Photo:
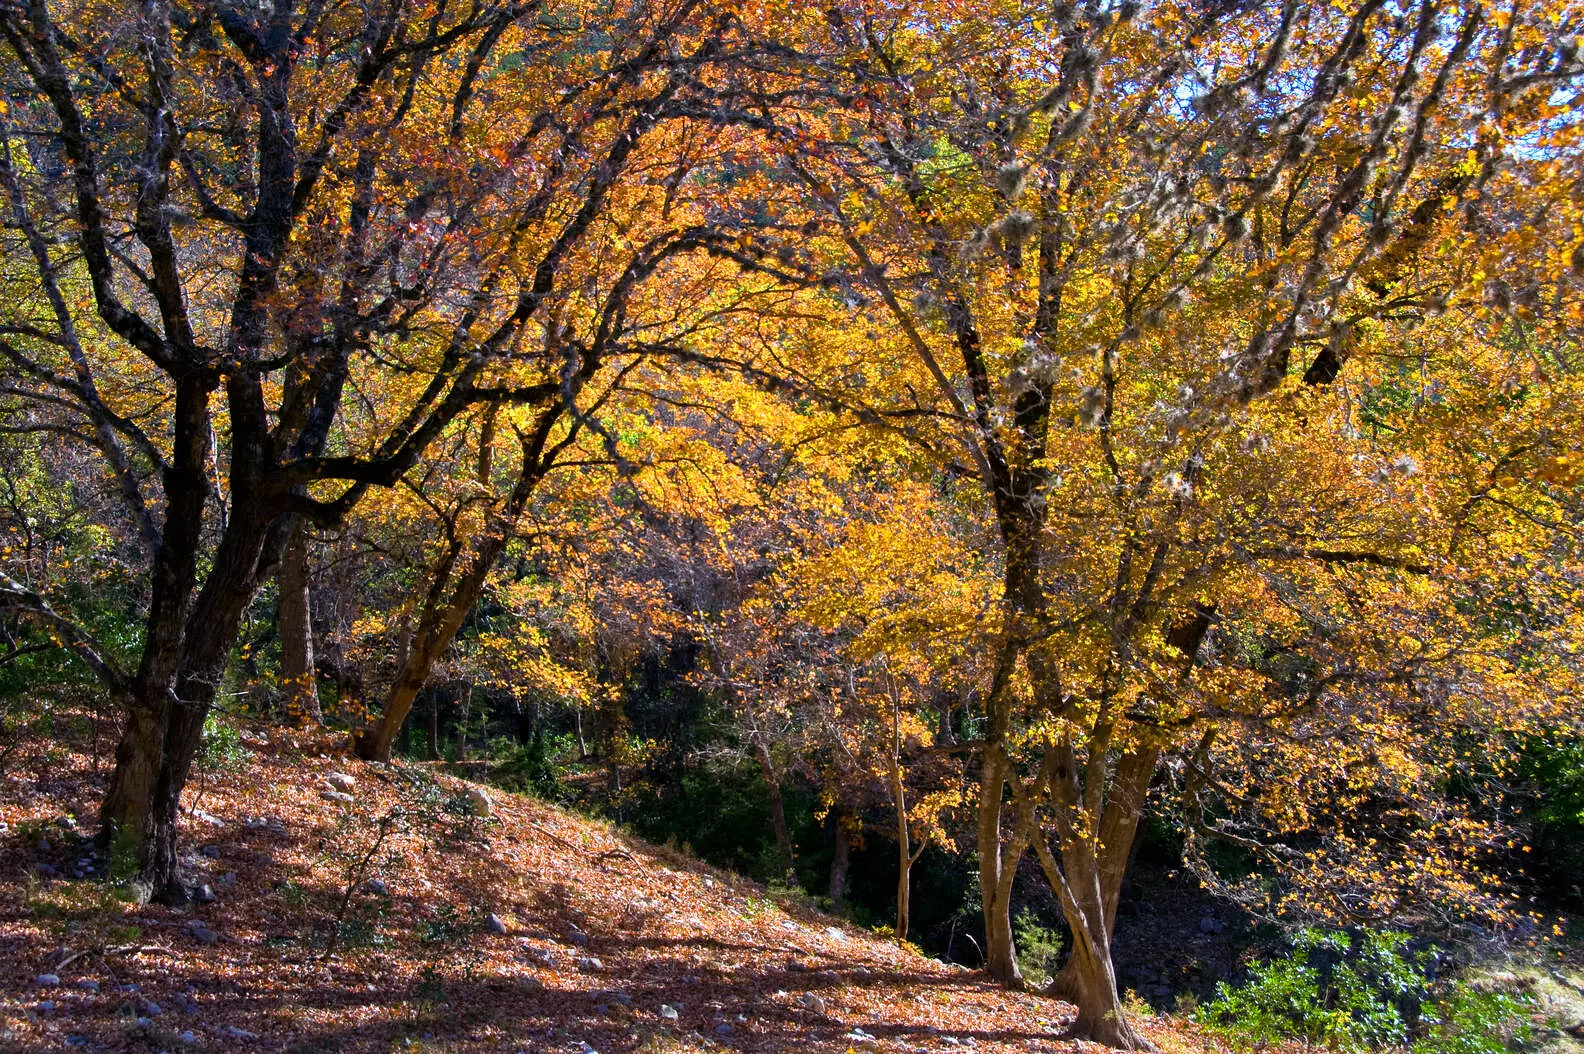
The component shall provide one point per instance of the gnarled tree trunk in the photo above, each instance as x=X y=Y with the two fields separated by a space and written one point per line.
x=1078 y=887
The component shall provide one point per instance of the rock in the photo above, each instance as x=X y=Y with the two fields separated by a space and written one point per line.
x=238 y=1033
x=341 y=781
x=87 y=985
x=211 y=851
x=202 y=933
x=227 y=880
x=835 y=933
x=494 y=923
x=812 y=1001
x=1210 y=924
x=861 y=1039
x=47 y=870
x=188 y=1038
x=479 y=802
x=148 y=1008
x=336 y=796
x=668 y=1011
x=212 y=821
x=584 y=1048
x=204 y=894
x=377 y=887
x=709 y=883
x=46 y=980
x=723 y=1029
x=589 y=964
x=577 y=936
x=47 y=1006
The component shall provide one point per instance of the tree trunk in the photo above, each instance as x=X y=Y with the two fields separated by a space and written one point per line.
x=434 y=728
x=125 y=811
x=443 y=615
x=905 y=855
x=296 y=633
x=998 y=861
x=840 y=862
x=374 y=744
x=1119 y=830
x=459 y=749
x=1077 y=883
x=777 y=810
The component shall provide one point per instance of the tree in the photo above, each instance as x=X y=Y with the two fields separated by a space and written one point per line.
x=1104 y=236
x=268 y=207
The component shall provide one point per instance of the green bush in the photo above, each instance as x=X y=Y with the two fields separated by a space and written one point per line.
x=539 y=768
x=221 y=749
x=1361 y=993
x=1466 y=1021
x=1038 y=947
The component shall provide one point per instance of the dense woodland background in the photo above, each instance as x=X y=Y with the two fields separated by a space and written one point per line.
x=1019 y=473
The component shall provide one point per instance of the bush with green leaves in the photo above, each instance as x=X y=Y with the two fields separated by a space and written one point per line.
x=1038 y=947
x=220 y=751
x=1464 y=1020
x=1358 y=992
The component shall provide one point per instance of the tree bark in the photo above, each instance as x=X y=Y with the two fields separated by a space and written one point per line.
x=459 y=749
x=296 y=632
x=1119 y=830
x=434 y=728
x=1077 y=883
x=905 y=854
x=998 y=862
x=443 y=613
x=777 y=810
x=841 y=862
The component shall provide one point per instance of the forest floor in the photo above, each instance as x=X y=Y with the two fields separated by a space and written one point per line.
x=394 y=919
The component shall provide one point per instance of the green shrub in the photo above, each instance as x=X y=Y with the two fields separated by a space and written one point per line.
x=1038 y=947
x=538 y=768
x=1467 y=1021
x=221 y=749
x=1361 y=993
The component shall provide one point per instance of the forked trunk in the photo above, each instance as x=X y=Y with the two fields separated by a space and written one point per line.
x=1100 y=1014
x=1119 y=832
x=1076 y=881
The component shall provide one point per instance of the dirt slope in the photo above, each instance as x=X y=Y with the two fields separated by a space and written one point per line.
x=605 y=938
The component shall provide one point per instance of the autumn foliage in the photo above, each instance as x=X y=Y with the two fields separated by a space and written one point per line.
x=1023 y=416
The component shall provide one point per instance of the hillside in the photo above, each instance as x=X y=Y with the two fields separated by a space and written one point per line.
x=528 y=930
